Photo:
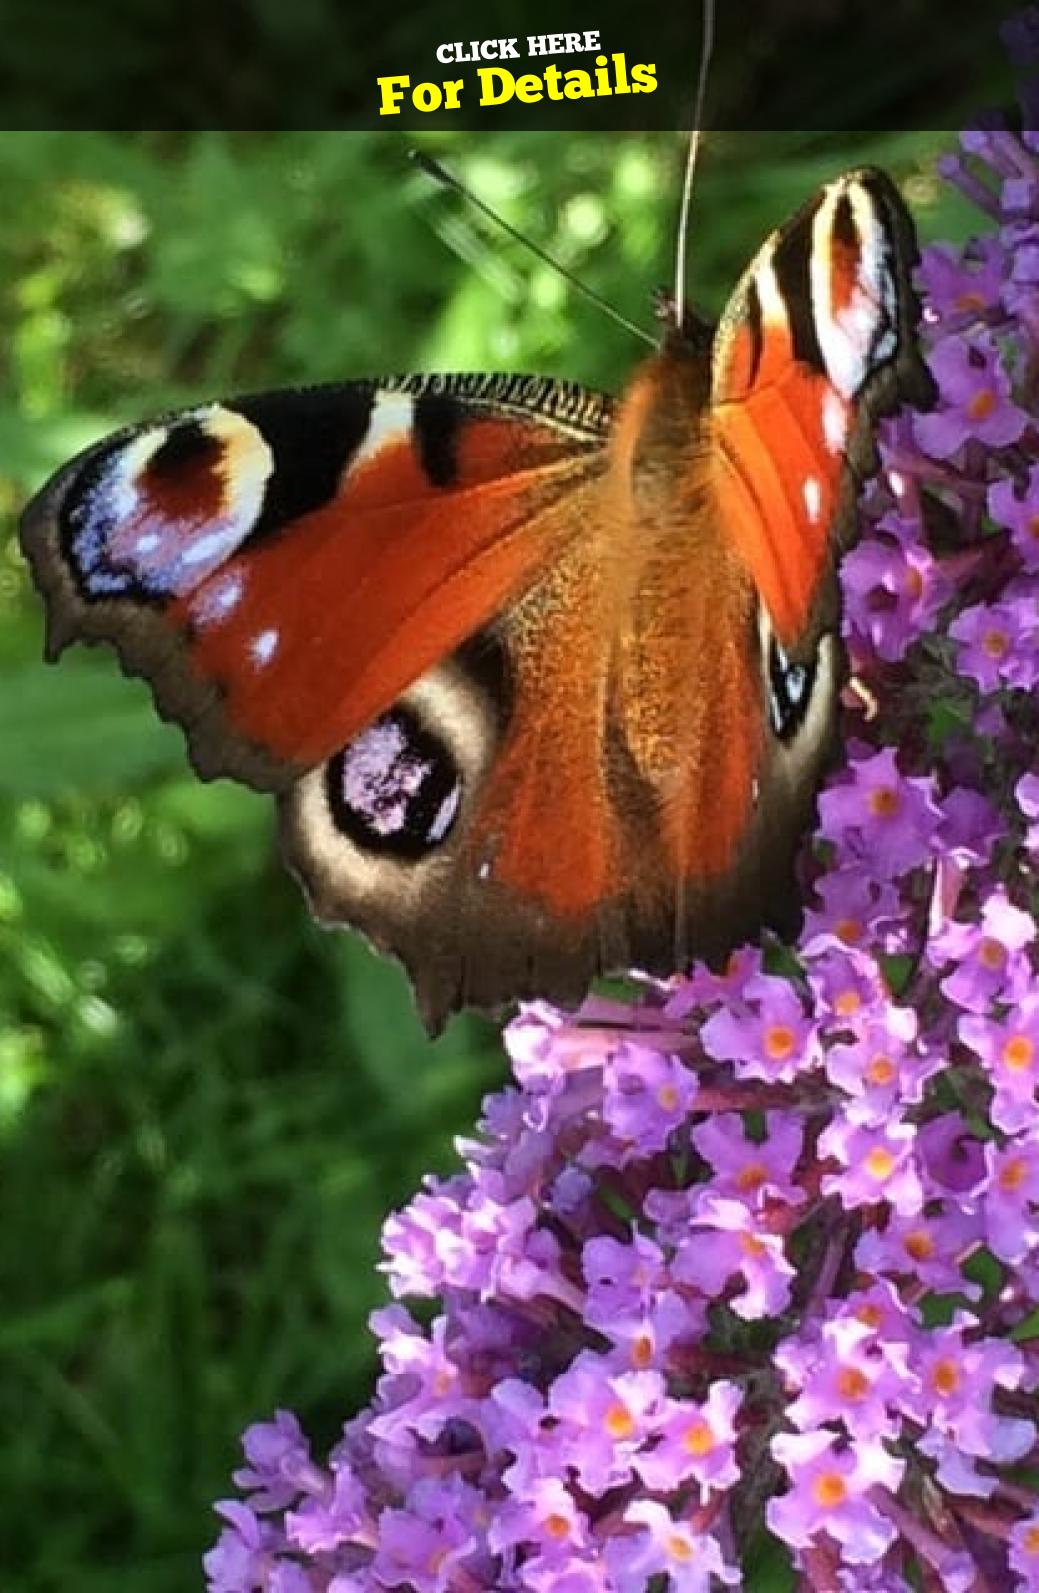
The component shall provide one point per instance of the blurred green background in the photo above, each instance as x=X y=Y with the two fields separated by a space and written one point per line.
x=206 y=1105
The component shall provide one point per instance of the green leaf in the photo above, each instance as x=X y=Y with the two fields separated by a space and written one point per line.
x=82 y=727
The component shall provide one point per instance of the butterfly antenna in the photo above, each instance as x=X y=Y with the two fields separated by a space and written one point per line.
x=706 y=50
x=440 y=174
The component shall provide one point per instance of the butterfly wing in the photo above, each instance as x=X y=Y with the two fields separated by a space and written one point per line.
x=281 y=567
x=817 y=342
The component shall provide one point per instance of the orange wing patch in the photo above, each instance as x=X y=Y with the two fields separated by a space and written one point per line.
x=326 y=627
x=817 y=340
x=777 y=481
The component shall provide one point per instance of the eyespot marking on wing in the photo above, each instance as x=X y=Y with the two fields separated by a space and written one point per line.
x=371 y=832
x=396 y=788
x=159 y=513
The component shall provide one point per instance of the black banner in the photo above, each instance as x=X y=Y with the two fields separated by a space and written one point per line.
x=577 y=65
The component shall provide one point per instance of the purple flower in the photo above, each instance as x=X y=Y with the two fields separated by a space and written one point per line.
x=766 y=1035
x=604 y=1418
x=845 y=1375
x=1009 y=1049
x=990 y=954
x=278 y=1463
x=420 y=1546
x=849 y=990
x=243 y=1553
x=834 y=1491
x=876 y=1163
x=957 y=1400
x=337 y=1515
x=851 y=906
x=997 y=643
x=1011 y=1206
x=951 y=1156
x=649 y=1096
x=961 y=287
x=881 y=815
x=630 y=1302
x=969 y=830
x=880 y=1070
x=975 y=399
x=730 y=1246
x=1027 y=794
x=755 y=1171
x=1018 y=511
x=695 y=1443
x=1024 y=1550
x=669 y=1547
x=930 y=1249
x=895 y=588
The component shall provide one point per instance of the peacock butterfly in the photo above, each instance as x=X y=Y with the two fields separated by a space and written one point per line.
x=544 y=683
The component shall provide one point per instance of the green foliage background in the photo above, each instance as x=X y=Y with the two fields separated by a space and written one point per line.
x=206 y=1105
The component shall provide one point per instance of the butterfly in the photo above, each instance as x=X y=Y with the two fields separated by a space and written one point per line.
x=544 y=683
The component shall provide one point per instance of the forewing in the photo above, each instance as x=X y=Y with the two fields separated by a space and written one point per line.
x=817 y=342
x=280 y=568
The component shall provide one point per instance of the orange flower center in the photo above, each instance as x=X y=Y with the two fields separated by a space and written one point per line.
x=779 y=1041
x=1019 y=1053
x=919 y=1244
x=751 y=1177
x=679 y=1548
x=618 y=1421
x=946 y=1377
x=667 y=1097
x=992 y=954
x=880 y=1164
x=881 y=1070
x=1033 y=527
x=884 y=802
x=1013 y=1173
x=850 y=930
x=830 y=1489
x=969 y=301
x=847 y=1002
x=752 y=1246
x=1031 y=1540
x=982 y=404
x=557 y=1526
x=698 y=1439
x=641 y=1351
x=852 y=1382
x=995 y=643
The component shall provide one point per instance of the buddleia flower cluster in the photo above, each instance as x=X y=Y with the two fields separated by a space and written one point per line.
x=749 y=1267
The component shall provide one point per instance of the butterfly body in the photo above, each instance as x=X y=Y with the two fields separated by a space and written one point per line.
x=544 y=683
